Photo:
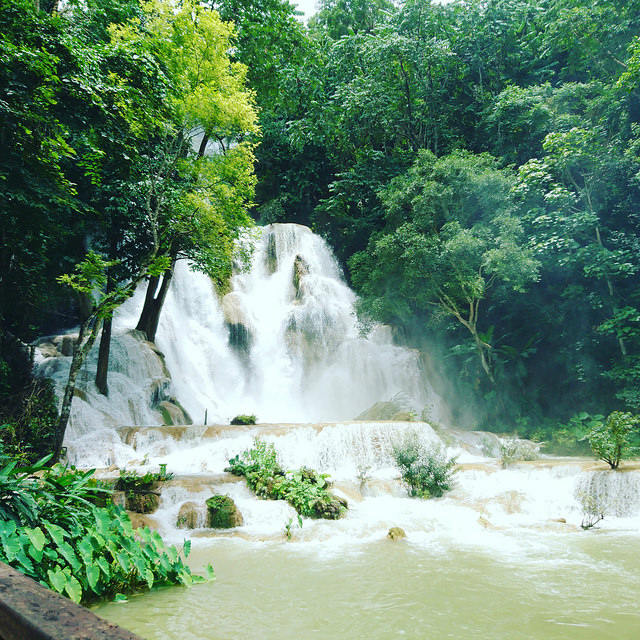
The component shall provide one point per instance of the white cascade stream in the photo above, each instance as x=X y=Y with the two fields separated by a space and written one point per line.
x=285 y=344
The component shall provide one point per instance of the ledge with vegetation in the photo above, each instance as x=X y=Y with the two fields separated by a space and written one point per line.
x=304 y=489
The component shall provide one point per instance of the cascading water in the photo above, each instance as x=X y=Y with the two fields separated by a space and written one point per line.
x=284 y=344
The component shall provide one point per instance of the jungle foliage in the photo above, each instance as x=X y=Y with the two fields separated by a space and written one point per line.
x=475 y=166
x=62 y=529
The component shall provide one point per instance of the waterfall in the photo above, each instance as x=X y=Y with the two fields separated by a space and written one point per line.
x=284 y=344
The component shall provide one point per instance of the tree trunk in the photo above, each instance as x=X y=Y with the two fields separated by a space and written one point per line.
x=150 y=315
x=103 y=358
x=86 y=337
x=482 y=350
x=203 y=145
x=102 y=371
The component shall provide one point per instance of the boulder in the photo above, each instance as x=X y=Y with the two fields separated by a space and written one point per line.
x=142 y=502
x=381 y=411
x=332 y=510
x=300 y=270
x=396 y=533
x=48 y=350
x=222 y=513
x=173 y=413
x=189 y=516
x=119 y=499
x=272 y=254
x=66 y=345
x=237 y=321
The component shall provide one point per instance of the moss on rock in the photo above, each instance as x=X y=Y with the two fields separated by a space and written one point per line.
x=222 y=513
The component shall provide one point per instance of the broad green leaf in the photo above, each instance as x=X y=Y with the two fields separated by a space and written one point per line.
x=57 y=579
x=36 y=537
x=68 y=554
x=123 y=561
x=104 y=566
x=93 y=575
x=85 y=549
x=148 y=574
x=57 y=533
x=73 y=589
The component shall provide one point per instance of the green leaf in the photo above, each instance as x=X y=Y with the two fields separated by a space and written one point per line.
x=68 y=554
x=36 y=537
x=57 y=533
x=148 y=574
x=85 y=549
x=186 y=548
x=123 y=561
x=104 y=566
x=211 y=574
x=93 y=575
x=57 y=579
x=73 y=589
x=120 y=597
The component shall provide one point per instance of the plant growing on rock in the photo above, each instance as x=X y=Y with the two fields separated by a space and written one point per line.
x=514 y=450
x=131 y=481
x=243 y=419
x=426 y=471
x=593 y=509
x=304 y=489
x=612 y=441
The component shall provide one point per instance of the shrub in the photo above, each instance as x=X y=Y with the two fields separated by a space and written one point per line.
x=426 y=471
x=54 y=529
x=244 y=420
x=304 y=489
x=612 y=440
x=514 y=450
x=131 y=482
x=593 y=509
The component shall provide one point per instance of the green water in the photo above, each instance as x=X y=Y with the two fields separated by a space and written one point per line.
x=574 y=586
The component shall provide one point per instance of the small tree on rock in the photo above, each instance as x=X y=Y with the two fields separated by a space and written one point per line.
x=612 y=440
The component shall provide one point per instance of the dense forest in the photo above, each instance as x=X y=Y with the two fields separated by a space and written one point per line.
x=475 y=166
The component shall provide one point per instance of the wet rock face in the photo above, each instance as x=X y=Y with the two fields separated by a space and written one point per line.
x=384 y=411
x=188 y=516
x=300 y=270
x=222 y=513
x=272 y=254
x=143 y=502
x=173 y=413
x=396 y=533
x=237 y=322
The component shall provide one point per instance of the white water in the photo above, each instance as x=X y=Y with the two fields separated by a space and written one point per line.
x=508 y=512
x=304 y=358
x=307 y=360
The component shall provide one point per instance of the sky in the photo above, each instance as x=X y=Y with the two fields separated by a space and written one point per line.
x=308 y=7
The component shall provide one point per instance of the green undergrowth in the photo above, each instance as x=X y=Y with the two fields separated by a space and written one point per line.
x=61 y=529
x=132 y=482
x=243 y=419
x=427 y=472
x=304 y=489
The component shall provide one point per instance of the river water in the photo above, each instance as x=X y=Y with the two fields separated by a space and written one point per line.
x=502 y=555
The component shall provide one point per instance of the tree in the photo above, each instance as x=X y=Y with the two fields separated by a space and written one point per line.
x=198 y=201
x=612 y=441
x=460 y=241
